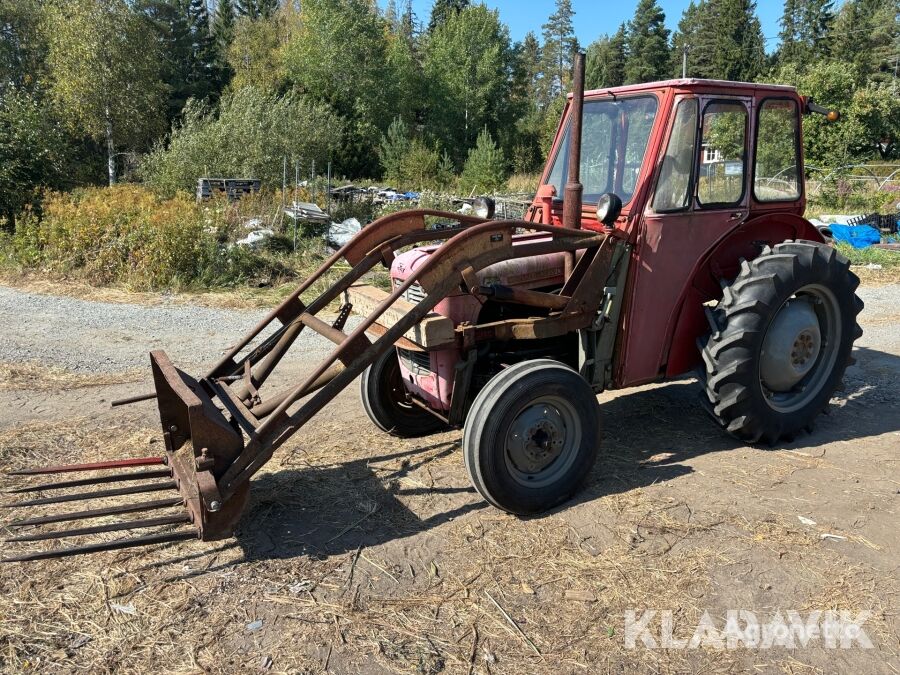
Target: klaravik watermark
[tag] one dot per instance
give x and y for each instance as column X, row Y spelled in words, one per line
column 743, row 629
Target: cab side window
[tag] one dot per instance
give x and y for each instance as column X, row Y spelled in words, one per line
column 723, row 152
column 776, row 177
column 673, row 187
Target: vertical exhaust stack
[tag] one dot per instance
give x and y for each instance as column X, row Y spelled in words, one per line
column 574, row 189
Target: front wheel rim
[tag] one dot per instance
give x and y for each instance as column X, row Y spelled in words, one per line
column 542, row 442
column 794, row 368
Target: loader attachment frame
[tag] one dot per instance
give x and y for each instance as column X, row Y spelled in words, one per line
column 220, row 429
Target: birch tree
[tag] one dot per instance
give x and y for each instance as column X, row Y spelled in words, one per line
column 103, row 69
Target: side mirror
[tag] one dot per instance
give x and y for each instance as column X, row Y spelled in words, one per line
column 609, row 206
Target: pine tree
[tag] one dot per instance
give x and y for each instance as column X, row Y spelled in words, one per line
column 687, row 37
column 391, row 15
column 866, row 33
column 223, row 30
column 605, row 61
column 740, row 53
column 724, row 41
column 485, row 169
column 393, row 148
column 182, row 29
column 804, row 27
column 256, row 9
column 560, row 45
column 647, row 44
column 442, row 10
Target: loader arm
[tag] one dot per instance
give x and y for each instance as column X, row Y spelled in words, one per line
column 220, row 429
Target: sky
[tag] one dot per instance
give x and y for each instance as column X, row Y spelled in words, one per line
column 593, row 18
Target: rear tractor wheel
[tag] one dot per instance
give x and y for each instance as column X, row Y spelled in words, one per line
column 781, row 340
column 531, row 436
column 387, row 403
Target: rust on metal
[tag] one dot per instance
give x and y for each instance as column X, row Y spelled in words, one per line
column 96, row 480
column 91, row 466
column 148, row 540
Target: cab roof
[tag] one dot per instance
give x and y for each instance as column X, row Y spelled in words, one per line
column 700, row 85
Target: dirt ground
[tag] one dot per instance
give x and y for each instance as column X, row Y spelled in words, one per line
column 365, row 553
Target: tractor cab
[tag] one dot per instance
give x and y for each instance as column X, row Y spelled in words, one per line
column 681, row 146
column 707, row 173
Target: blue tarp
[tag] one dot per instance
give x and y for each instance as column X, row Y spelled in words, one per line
column 858, row 236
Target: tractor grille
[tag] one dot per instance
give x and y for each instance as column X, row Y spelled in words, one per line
column 418, row 363
column 414, row 294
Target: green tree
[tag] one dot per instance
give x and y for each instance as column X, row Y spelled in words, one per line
column 252, row 133
column 605, row 61
column 256, row 9
column 442, row 10
column 254, row 55
column 467, row 62
column 222, row 35
column 485, row 168
column 866, row 33
column 404, row 73
column 186, row 45
column 392, row 149
column 104, row 72
column 34, row 149
column 870, row 115
column 724, row 41
column 647, row 44
column 804, row 28
column 560, row 45
column 423, row 167
column 22, row 47
column 523, row 140
column 338, row 55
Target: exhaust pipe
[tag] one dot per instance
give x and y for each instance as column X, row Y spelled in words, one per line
column 574, row 189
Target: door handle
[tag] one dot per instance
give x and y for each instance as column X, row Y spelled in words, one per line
column 736, row 215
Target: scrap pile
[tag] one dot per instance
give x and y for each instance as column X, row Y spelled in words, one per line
column 862, row 231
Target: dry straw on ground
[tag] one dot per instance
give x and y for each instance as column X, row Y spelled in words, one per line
column 370, row 554
column 38, row 377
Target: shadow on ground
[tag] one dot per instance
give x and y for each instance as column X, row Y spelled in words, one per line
column 650, row 436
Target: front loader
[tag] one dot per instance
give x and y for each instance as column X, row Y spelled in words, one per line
column 666, row 238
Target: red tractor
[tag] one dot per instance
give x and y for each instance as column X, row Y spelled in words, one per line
column 666, row 237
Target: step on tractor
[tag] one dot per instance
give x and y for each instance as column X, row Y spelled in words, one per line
column 666, row 238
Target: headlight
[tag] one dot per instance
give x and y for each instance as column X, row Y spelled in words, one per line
column 609, row 206
column 484, row 207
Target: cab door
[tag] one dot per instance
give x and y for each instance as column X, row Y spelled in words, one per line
column 701, row 194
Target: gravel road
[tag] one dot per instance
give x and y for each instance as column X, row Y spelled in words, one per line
column 90, row 336
column 87, row 336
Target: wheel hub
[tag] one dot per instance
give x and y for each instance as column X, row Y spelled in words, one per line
column 791, row 347
column 536, row 438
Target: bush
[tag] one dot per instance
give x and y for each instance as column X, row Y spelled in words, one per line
column 485, row 169
column 250, row 138
column 127, row 234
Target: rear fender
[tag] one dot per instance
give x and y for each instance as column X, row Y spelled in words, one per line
column 723, row 262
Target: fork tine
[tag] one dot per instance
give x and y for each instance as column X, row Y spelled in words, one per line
column 80, row 496
column 148, row 540
column 97, row 513
column 96, row 480
column 107, row 527
column 90, row 466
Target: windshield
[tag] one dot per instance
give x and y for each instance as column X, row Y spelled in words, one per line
column 613, row 141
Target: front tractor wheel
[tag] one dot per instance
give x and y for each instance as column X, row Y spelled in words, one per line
column 387, row 403
column 531, row 436
column 781, row 340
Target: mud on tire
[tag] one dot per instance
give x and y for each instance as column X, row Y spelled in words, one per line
column 733, row 352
